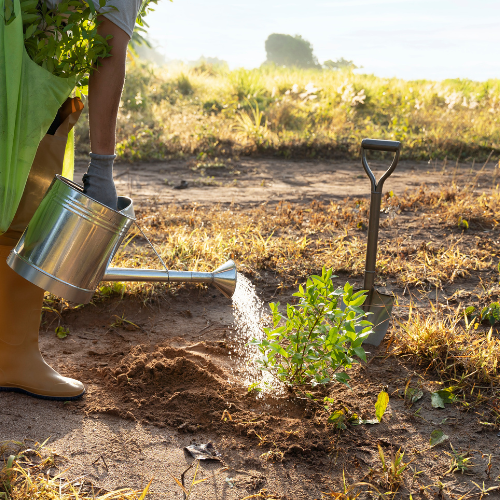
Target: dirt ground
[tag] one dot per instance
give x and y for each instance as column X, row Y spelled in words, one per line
column 155, row 389
column 252, row 181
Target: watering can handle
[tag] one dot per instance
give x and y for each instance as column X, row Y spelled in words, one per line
column 379, row 145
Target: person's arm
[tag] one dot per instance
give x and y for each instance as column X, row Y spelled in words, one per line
column 105, row 90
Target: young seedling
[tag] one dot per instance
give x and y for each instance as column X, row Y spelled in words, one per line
column 317, row 340
column 354, row 491
column 392, row 471
column 459, row 462
column 61, row 332
column 122, row 322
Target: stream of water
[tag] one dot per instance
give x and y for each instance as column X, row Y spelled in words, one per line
column 249, row 320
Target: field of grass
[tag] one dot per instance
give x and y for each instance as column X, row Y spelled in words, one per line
column 300, row 113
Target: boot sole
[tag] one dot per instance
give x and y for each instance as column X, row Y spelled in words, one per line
column 39, row 396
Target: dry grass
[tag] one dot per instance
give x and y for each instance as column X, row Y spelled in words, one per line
column 420, row 244
column 32, row 471
column 294, row 240
column 464, row 354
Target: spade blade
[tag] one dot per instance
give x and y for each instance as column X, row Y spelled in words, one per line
column 380, row 305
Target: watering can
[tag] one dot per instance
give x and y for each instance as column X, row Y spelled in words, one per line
column 71, row 239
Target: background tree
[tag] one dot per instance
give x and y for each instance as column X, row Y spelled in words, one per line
column 340, row 64
column 287, row 50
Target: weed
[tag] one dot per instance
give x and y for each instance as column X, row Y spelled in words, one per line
column 390, row 474
column 459, row 462
column 462, row 356
column 61, row 332
column 354, row 491
column 253, row 125
column 490, row 313
column 122, row 322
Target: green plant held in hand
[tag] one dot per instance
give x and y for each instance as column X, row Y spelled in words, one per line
column 64, row 40
column 318, row 339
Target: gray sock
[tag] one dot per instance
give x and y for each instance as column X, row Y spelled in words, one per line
column 98, row 182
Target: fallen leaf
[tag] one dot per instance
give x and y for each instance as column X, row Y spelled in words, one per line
column 441, row 397
column 414, row 394
column 381, row 405
column 437, row 437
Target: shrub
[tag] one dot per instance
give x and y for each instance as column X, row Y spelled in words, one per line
column 184, row 85
column 317, row 339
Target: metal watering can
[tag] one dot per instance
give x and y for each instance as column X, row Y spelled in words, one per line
column 71, row 239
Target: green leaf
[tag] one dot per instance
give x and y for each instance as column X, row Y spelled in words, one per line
column 441, row 397
column 360, row 353
column 357, row 302
column 437, row 437
column 469, row 310
column 337, row 418
column 30, row 18
column 413, row 394
column 30, row 30
column 254, row 387
column 343, row 378
column 62, row 332
column 381, row 405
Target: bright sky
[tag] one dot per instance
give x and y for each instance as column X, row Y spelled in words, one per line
column 411, row 39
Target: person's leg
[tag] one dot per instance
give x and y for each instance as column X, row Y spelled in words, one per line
column 105, row 89
column 22, row 367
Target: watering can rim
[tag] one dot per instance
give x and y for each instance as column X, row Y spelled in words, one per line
column 125, row 211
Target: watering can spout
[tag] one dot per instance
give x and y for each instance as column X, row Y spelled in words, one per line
column 223, row 278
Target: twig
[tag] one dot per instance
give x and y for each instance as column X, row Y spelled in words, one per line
column 103, row 461
column 121, row 174
column 182, row 477
column 203, row 330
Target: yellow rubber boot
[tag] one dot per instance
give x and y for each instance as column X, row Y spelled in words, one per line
column 22, row 367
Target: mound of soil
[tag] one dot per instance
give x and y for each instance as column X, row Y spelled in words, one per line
column 164, row 386
column 167, row 386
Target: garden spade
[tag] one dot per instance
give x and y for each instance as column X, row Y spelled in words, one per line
column 378, row 304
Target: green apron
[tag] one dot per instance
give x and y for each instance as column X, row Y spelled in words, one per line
column 30, row 97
